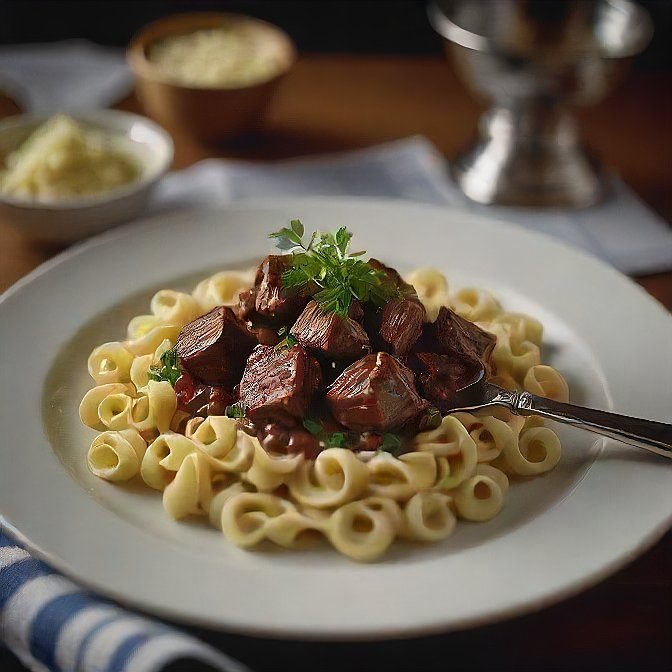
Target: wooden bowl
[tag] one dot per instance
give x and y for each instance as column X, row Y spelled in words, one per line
column 208, row 114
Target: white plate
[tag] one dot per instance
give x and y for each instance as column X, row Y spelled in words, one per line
column 557, row 534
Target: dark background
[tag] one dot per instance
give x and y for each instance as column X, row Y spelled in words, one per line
column 363, row 26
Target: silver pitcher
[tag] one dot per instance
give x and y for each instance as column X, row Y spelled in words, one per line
column 536, row 60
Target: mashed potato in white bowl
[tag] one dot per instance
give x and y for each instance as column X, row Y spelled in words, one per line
column 64, row 158
column 64, row 178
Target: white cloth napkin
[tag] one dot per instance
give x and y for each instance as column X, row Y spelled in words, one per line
column 621, row 230
column 68, row 76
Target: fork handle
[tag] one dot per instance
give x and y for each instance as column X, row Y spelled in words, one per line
column 648, row 434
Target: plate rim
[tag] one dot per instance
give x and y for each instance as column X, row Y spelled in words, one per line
column 120, row 231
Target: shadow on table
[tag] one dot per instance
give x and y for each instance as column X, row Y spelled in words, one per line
column 279, row 143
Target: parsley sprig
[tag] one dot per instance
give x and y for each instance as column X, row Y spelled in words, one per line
column 168, row 370
column 325, row 262
column 289, row 340
column 391, row 443
column 236, row 411
column 333, row 440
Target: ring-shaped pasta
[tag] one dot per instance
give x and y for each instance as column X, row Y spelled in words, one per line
column 490, row 434
column 455, row 451
column 173, row 307
column 536, row 451
column 139, row 371
column 432, row 289
column 400, row 478
column 428, row 516
column 497, row 475
column 474, row 304
column 389, row 507
column 224, row 486
column 189, row 493
column 141, row 325
column 533, row 421
column 478, row 499
column 293, row 529
column 116, row 411
column 163, row 458
column 226, row 447
column 268, row 470
column 116, row 456
column 222, row 289
column 245, row 516
column 149, row 341
column 154, row 407
column 521, row 327
column 446, row 439
column 335, row 477
column 546, row 382
column 512, row 357
column 362, row 530
column 217, row 435
column 192, row 425
column 90, row 404
column 110, row 363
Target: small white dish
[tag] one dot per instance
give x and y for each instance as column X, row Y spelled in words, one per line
column 67, row 220
column 557, row 534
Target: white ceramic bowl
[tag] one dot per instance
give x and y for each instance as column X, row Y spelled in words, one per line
column 71, row 219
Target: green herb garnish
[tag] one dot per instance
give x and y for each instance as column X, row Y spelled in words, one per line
column 313, row 426
column 287, row 342
column 391, row 443
column 336, row 440
column 431, row 419
column 338, row 275
column 236, row 411
column 168, row 370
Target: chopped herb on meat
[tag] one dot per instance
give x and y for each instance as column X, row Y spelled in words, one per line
column 168, row 370
column 339, row 276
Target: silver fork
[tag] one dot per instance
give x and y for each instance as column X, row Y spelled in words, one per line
column 650, row 435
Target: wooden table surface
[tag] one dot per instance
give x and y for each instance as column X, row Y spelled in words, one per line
column 332, row 103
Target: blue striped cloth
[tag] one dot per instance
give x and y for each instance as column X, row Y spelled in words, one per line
column 51, row 624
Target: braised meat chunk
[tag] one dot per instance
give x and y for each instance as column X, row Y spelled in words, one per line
column 247, row 301
column 396, row 326
column 198, row 398
column 330, row 335
column 192, row 396
column 264, row 334
column 446, row 379
column 279, row 384
column 452, row 335
column 275, row 438
column 376, row 393
column 394, row 277
column 271, row 299
column 214, row 347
